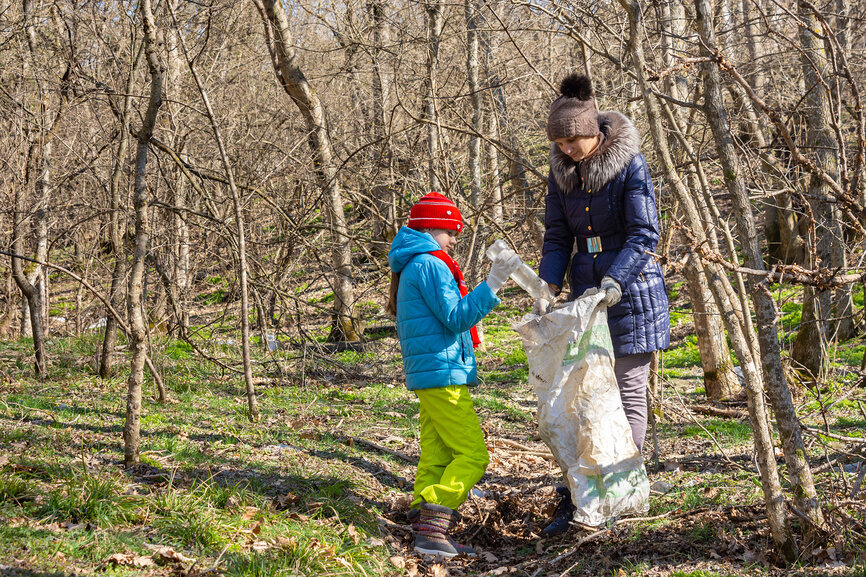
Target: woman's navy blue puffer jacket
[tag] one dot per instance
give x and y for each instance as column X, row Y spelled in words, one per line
column 609, row 197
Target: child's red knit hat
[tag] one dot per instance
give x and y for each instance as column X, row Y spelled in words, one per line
column 433, row 210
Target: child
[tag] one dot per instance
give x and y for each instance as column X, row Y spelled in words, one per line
column 436, row 316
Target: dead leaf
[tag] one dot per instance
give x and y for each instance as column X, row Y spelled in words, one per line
column 375, row 542
column 395, row 415
column 711, row 492
column 260, row 546
column 398, row 562
column 250, row 513
column 297, row 424
column 499, row 571
column 438, row 570
column 4, row 460
column 353, row 533
column 287, row 543
column 256, row 529
column 411, row 568
column 402, row 501
column 164, row 554
column 284, row 501
column 322, row 548
column 128, row 560
column 489, row 557
column 309, row 435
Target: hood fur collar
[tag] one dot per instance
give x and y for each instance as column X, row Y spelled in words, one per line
column 621, row 144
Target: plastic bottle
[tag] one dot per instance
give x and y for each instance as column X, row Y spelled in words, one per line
column 523, row 275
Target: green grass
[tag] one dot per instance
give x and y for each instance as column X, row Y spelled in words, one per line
column 685, row 355
column 723, row 430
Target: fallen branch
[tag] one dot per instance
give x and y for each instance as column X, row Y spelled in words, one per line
column 542, row 454
column 720, row 412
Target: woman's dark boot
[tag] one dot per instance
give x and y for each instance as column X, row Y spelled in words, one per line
column 562, row 516
column 432, row 533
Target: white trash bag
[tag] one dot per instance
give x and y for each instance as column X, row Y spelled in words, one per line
column 580, row 414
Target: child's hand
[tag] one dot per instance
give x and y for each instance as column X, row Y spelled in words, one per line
column 506, row 262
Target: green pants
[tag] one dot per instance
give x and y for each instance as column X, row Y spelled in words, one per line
column 453, row 453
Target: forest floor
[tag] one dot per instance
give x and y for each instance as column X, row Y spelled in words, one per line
column 320, row 485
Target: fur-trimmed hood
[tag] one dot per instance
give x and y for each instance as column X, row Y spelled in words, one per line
column 621, row 144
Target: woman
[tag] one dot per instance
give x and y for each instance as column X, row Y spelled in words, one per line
column 601, row 209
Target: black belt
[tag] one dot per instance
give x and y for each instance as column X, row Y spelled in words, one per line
column 593, row 244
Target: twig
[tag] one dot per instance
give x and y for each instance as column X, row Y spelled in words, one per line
column 364, row 442
column 50, row 414
column 833, row 436
column 511, row 443
column 856, row 488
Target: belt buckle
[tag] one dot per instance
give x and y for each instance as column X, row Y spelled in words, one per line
column 593, row 244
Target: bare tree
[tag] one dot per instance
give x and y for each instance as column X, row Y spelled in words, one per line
column 137, row 325
column 294, row 82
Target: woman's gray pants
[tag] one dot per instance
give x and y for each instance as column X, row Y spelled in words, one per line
column 632, row 376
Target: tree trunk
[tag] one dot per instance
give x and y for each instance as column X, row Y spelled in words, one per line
column 433, row 10
column 294, row 82
column 385, row 191
column 117, row 225
column 810, row 348
column 28, row 290
column 773, row 496
column 137, row 326
column 720, row 380
column 800, row 476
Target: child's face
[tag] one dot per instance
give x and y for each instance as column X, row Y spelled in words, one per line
column 447, row 239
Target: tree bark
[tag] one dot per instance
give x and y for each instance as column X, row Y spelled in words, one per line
column 720, row 380
column 137, row 326
column 385, row 189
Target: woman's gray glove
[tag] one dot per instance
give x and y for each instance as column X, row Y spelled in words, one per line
column 543, row 305
column 506, row 262
column 612, row 291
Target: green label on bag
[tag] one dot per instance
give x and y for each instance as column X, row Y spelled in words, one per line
column 596, row 337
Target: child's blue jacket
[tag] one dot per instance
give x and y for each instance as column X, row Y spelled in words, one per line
column 433, row 320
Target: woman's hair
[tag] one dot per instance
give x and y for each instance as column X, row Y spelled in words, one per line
column 391, row 305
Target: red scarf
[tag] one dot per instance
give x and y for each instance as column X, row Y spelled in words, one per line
column 461, row 285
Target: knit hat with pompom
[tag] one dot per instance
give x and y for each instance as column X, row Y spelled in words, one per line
column 435, row 211
column 574, row 113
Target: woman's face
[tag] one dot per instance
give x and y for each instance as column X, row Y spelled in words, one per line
column 447, row 239
column 577, row 147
